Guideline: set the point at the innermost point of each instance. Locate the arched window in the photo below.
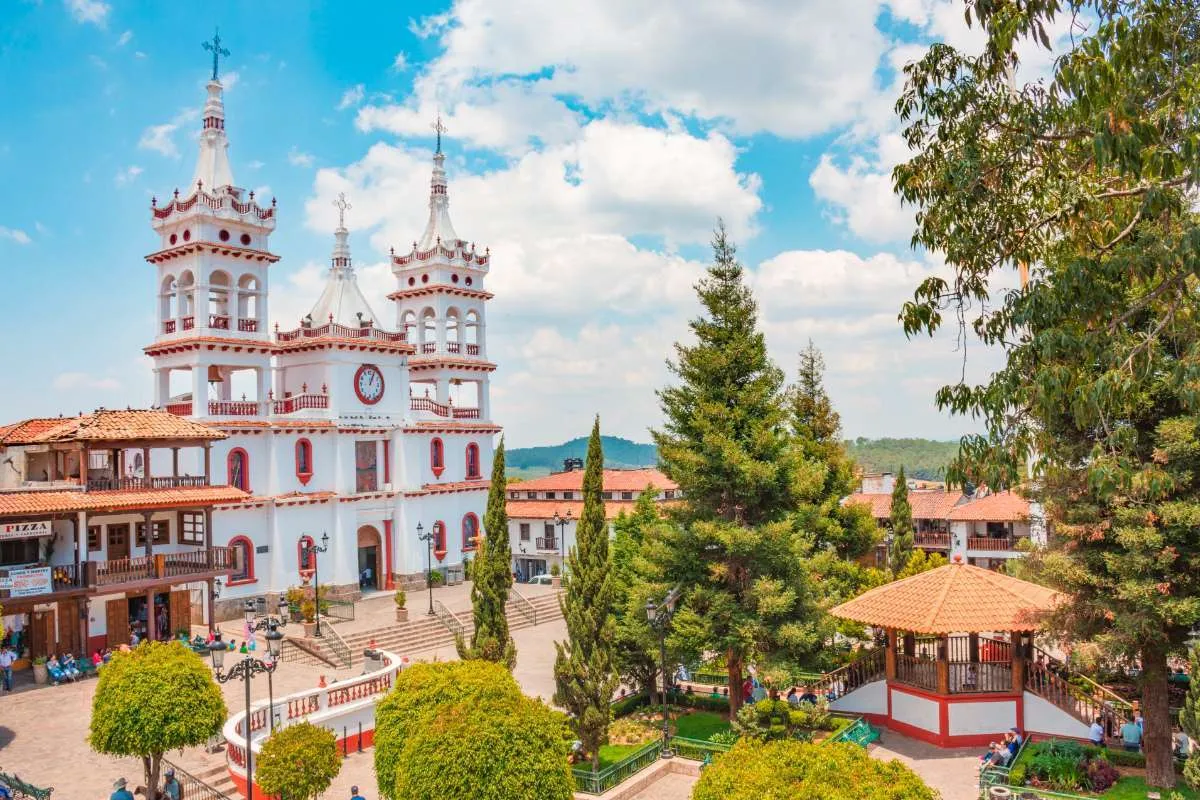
(437, 456)
(238, 468)
(304, 468)
(439, 539)
(472, 460)
(470, 531)
(305, 557)
(241, 549)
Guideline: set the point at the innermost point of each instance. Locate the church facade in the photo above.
(369, 436)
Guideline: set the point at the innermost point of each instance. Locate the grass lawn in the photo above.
(700, 725)
(1131, 788)
(612, 753)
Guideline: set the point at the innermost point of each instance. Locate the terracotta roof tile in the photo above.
(998, 507)
(27, 431)
(12, 503)
(615, 480)
(115, 426)
(956, 598)
(546, 509)
(925, 504)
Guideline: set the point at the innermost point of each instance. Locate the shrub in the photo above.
(1125, 758)
(724, 737)
(788, 769)
(437, 577)
(423, 692)
(555, 570)
(627, 705)
(400, 598)
(1016, 775)
(301, 760)
(630, 731)
(1101, 775)
(308, 610)
(500, 749)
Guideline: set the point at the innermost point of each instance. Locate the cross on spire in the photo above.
(217, 51)
(342, 204)
(440, 128)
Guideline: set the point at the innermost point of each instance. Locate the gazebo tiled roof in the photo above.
(956, 598)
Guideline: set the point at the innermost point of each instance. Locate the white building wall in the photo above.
(870, 698)
(1042, 716)
(967, 719)
(917, 711)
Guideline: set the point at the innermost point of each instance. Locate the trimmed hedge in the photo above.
(627, 705)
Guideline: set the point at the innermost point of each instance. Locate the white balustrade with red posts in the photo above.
(340, 707)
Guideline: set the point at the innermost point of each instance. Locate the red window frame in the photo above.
(467, 543)
(437, 456)
(439, 540)
(245, 482)
(302, 476)
(243, 541)
(473, 448)
(304, 565)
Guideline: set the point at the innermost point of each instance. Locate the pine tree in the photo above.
(585, 673)
(737, 552)
(492, 579)
(901, 526)
(817, 431)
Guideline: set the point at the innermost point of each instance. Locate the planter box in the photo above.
(40, 674)
(310, 630)
(401, 615)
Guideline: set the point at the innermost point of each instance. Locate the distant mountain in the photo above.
(618, 453)
(925, 459)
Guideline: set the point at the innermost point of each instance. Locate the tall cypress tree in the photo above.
(738, 553)
(585, 672)
(901, 525)
(492, 578)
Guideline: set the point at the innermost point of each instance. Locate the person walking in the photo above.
(354, 795)
(7, 657)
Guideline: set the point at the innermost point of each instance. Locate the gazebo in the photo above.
(954, 672)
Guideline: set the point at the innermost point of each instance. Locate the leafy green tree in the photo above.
(421, 693)
(299, 761)
(492, 579)
(636, 644)
(157, 697)
(585, 674)
(727, 444)
(901, 524)
(817, 429)
(1090, 176)
(921, 561)
(1189, 720)
(509, 749)
(794, 770)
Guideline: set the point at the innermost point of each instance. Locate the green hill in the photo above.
(530, 462)
(925, 459)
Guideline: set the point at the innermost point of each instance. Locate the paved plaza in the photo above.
(43, 730)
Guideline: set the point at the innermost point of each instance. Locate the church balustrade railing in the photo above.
(298, 402)
(466, 413)
(472, 349)
(429, 347)
(169, 326)
(232, 408)
(453, 347)
(183, 409)
(215, 202)
(153, 482)
(334, 329)
(248, 325)
(188, 323)
(218, 321)
(431, 405)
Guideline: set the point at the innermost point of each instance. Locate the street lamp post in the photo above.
(659, 616)
(274, 639)
(311, 550)
(245, 670)
(561, 522)
(215, 592)
(427, 538)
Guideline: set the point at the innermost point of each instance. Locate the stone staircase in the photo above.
(210, 769)
(423, 633)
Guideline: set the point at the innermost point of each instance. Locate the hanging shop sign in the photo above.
(25, 530)
(27, 582)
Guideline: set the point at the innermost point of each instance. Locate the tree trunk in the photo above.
(1156, 736)
(152, 764)
(733, 666)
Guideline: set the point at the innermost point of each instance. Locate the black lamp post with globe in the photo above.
(310, 551)
(659, 616)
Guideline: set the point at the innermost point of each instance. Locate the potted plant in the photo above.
(555, 575)
(308, 610)
(40, 675)
(295, 596)
(401, 611)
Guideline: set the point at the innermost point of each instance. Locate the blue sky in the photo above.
(592, 145)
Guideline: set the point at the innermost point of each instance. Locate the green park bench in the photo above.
(21, 790)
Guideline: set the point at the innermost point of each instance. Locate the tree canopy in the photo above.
(158, 697)
(299, 761)
(792, 770)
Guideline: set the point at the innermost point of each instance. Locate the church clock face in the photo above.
(368, 384)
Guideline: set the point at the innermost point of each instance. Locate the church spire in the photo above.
(212, 166)
(439, 228)
(342, 301)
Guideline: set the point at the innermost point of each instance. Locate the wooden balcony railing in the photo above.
(991, 542)
(546, 543)
(180, 409)
(870, 667)
(298, 402)
(248, 325)
(232, 408)
(159, 482)
(218, 321)
(971, 678)
(917, 671)
(940, 541)
(160, 565)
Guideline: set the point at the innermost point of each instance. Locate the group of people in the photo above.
(171, 790)
(1132, 732)
(1002, 753)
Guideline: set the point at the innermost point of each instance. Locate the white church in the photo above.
(347, 425)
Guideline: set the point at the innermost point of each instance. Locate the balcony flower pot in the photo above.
(40, 675)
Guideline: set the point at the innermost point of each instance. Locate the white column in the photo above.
(264, 318)
(443, 389)
(261, 390)
(162, 386)
(200, 389)
(485, 398)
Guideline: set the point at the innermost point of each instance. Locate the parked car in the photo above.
(542, 580)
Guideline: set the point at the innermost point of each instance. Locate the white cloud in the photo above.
(161, 138)
(230, 79)
(93, 11)
(862, 199)
(261, 193)
(255, 165)
(15, 234)
(351, 97)
(128, 174)
(298, 158)
(400, 62)
(139, 54)
(124, 38)
(83, 380)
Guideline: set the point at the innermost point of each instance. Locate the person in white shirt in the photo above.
(7, 657)
(1183, 744)
(1097, 732)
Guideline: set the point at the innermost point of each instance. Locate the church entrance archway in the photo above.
(370, 558)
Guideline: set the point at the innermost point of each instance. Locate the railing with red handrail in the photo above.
(931, 539)
(168, 326)
(189, 323)
(991, 542)
(232, 408)
(218, 321)
(214, 202)
(428, 347)
(154, 482)
(429, 404)
(472, 349)
(868, 668)
(466, 413)
(180, 409)
(299, 402)
(248, 325)
(334, 329)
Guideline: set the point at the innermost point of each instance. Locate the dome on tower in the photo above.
(341, 301)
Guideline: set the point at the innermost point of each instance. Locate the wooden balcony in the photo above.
(160, 482)
(932, 539)
(991, 543)
(139, 569)
(547, 543)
